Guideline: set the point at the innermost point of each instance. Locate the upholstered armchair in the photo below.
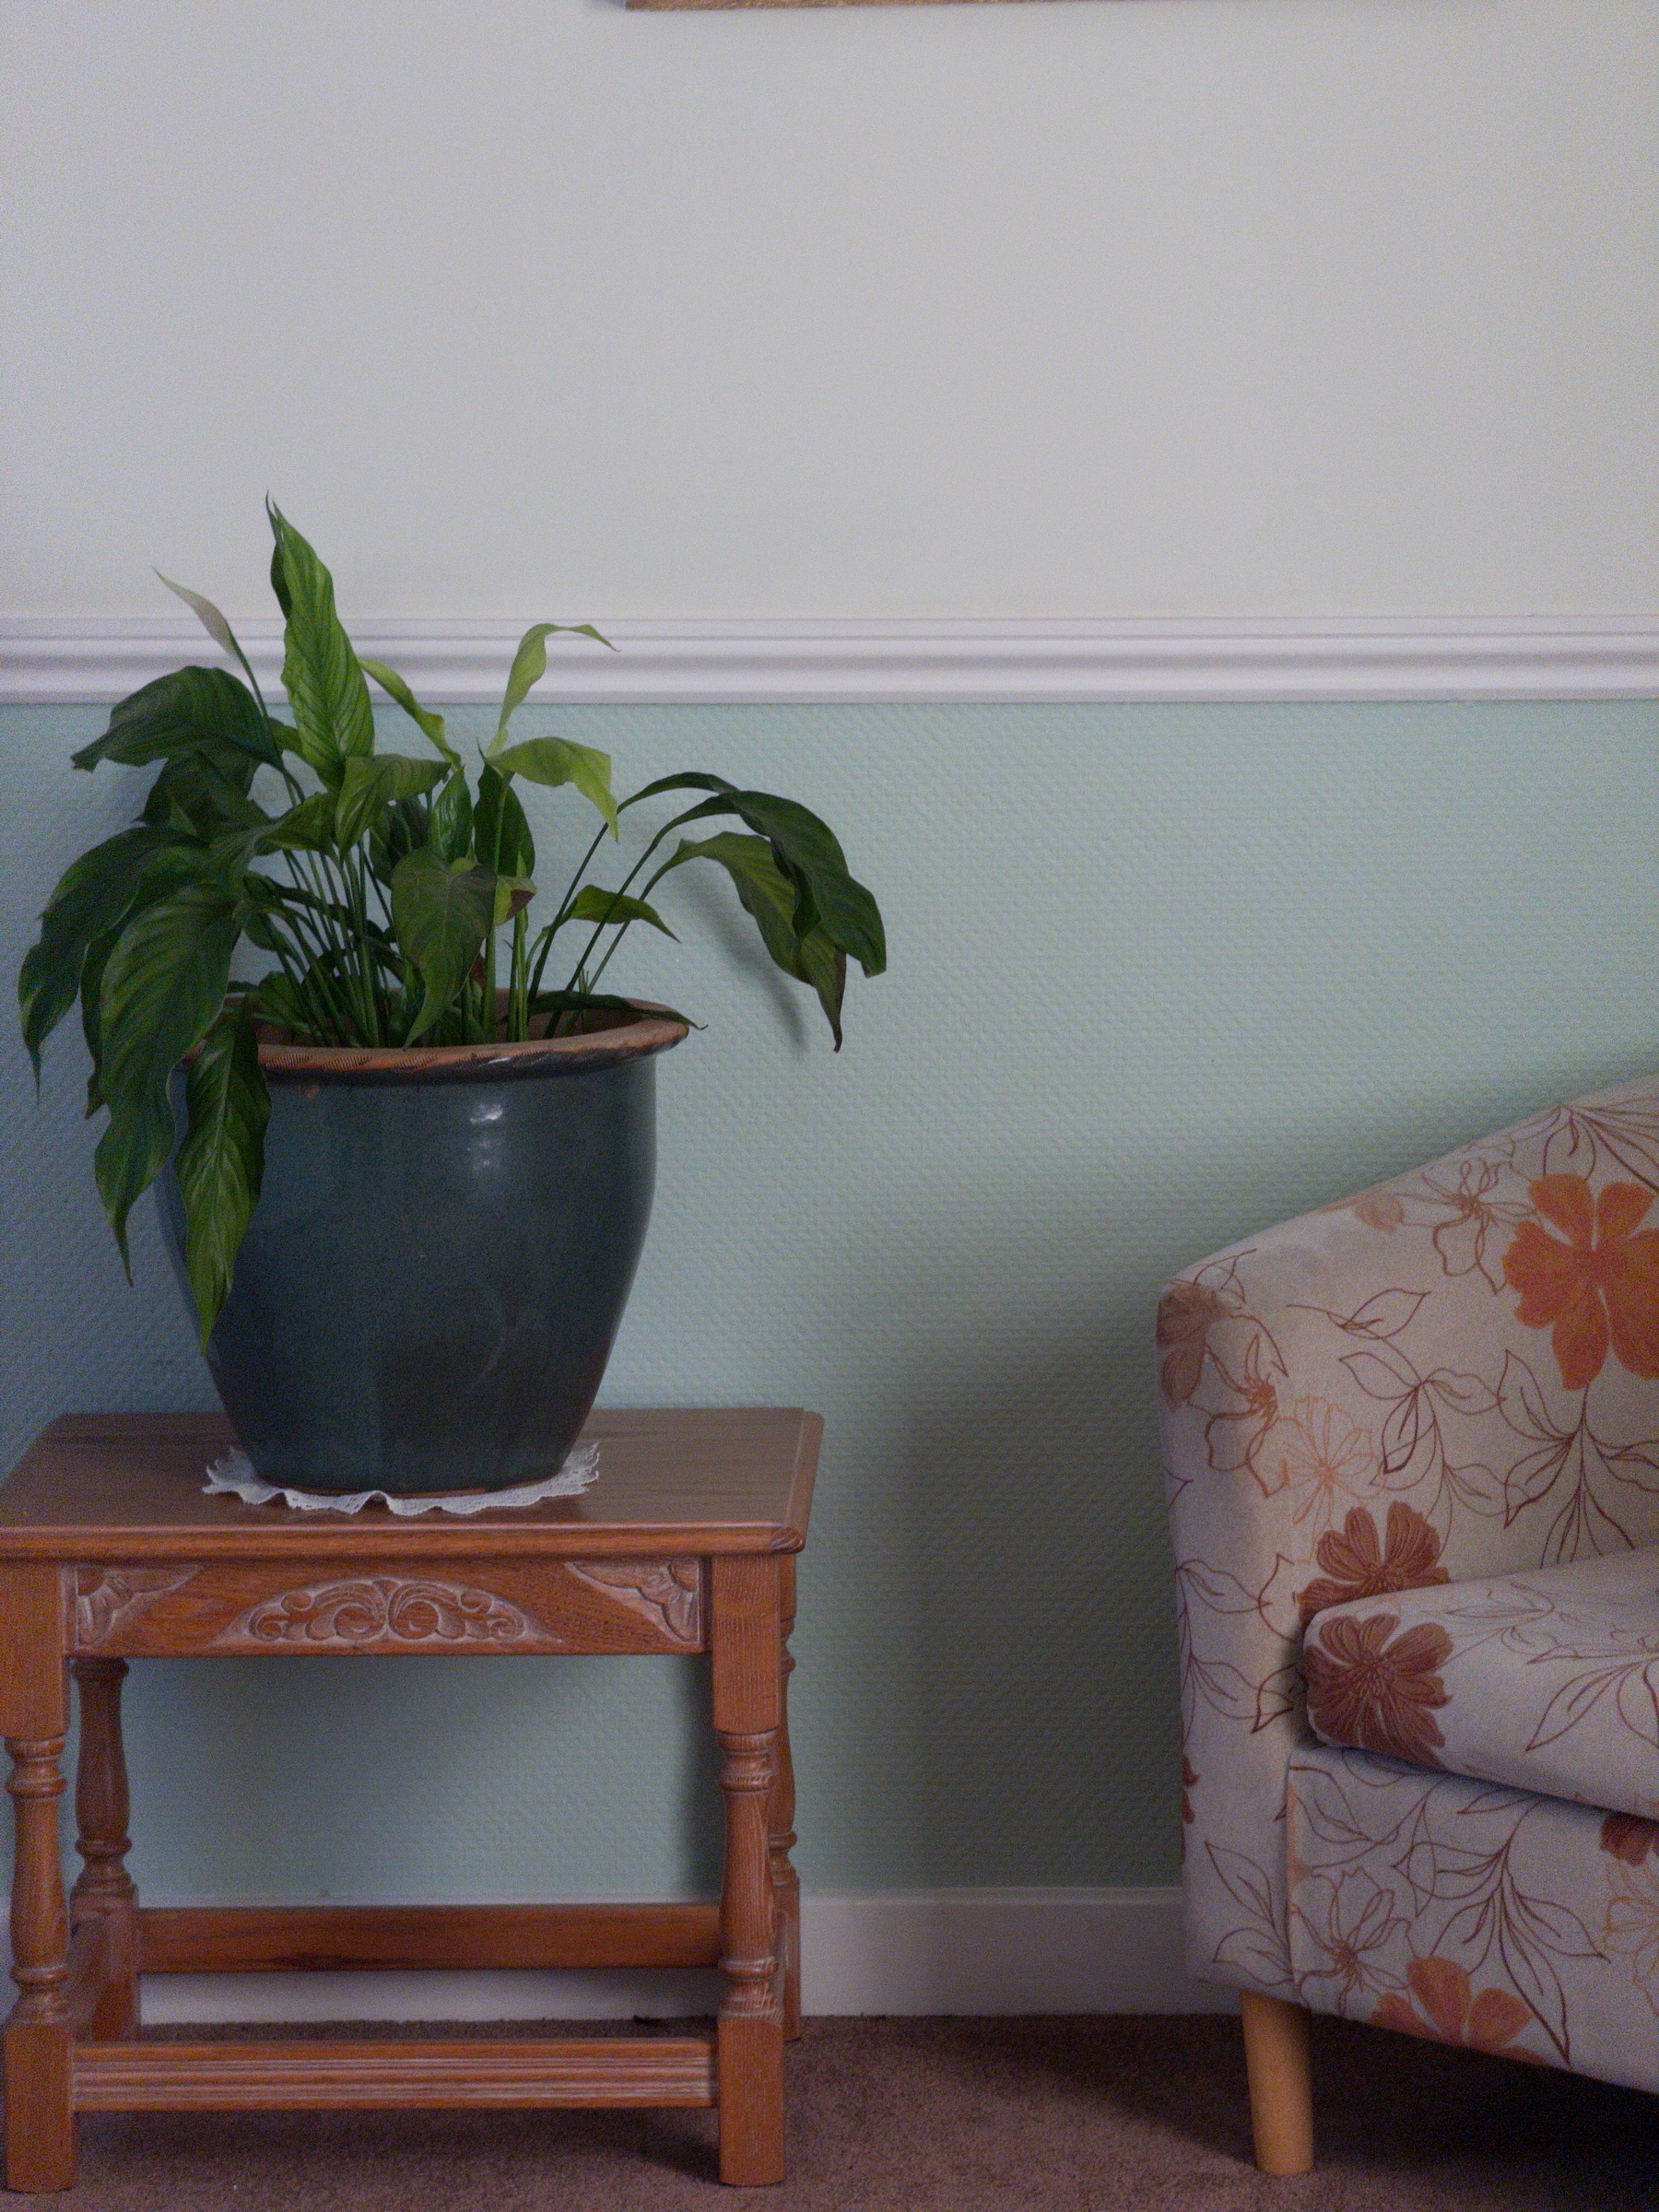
(1412, 1444)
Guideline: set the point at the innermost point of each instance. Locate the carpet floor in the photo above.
(1108, 2114)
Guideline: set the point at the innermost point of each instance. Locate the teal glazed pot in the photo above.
(435, 1271)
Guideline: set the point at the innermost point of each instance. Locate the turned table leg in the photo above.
(100, 1809)
(1281, 2090)
(747, 1679)
(786, 1883)
(35, 1718)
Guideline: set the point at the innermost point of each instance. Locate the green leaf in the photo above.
(204, 795)
(512, 894)
(191, 711)
(502, 838)
(220, 1162)
(591, 904)
(306, 827)
(166, 870)
(556, 761)
(440, 915)
(449, 820)
(92, 895)
(808, 852)
(332, 717)
(433, 725)
(530, 664)
(163, 985)
(221, 631)
(769, 896)
(595, 1002)
(367, 784)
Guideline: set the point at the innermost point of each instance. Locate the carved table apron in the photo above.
(110, 1551)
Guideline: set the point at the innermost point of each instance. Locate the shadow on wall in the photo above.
(1010, 1565)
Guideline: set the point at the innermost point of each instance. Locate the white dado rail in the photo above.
(63, 658)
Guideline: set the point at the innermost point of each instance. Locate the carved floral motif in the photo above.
(380, 1608)
(667, 1592)
(108, 1598)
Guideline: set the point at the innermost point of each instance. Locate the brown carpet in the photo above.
(1112, 2114)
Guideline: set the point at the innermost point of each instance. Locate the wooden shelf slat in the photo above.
(290, 1938)
(305, 2076)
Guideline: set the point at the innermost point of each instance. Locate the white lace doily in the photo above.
(234, 1474)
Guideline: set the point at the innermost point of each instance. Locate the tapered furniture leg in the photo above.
(1281, 2089)
(40, 2119)
(747, 1687)
(786, 1883)
(105, 1887)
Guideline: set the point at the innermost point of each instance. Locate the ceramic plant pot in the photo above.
(444, 1242)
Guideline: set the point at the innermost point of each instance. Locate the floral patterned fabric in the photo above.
(1493, 1918)
(1452, 1378)
(1550, 1680)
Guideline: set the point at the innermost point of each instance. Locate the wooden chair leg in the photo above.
(1281, 2089)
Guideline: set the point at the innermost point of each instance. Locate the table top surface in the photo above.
(686, 1480)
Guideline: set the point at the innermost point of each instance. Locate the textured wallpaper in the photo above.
(1160, 976)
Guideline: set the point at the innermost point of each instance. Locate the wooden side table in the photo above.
(110, 1550)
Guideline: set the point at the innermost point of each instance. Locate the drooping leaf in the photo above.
(373, 781)
(221, 1160)
(808, 853)
(769, 896)
(191, 711)
(449, 820)
(92, 895)
(131, 1153)
(163, 985)
(502, 838)
(332, 717)
(591, 904)
(440, 915)
(431, 725)
(690, 780)
(530, 664)
(556, 761)
(166, 870)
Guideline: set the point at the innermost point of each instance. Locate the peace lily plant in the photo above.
(390, 892)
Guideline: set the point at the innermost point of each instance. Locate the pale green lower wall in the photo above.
(1160, 976)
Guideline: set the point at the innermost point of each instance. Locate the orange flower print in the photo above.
(1632, 1925)
(1487, 2019)
(1598, 1289)
(1184, 1315)
(1349, 1925)
(1627, 1837)
(1357, 1565)
(1372, 1695)
(1377, 1208)
(1319, 1451)
(1237, 1436)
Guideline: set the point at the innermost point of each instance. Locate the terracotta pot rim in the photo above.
(655, 1029)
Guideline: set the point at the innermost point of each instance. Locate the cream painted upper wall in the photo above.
(1104, 307)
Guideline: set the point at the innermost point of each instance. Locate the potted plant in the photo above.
(405, 1142)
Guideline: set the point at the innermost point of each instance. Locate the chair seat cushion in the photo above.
(1547, 1680)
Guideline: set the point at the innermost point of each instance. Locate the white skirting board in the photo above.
(69, 659)
(912, 1951)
